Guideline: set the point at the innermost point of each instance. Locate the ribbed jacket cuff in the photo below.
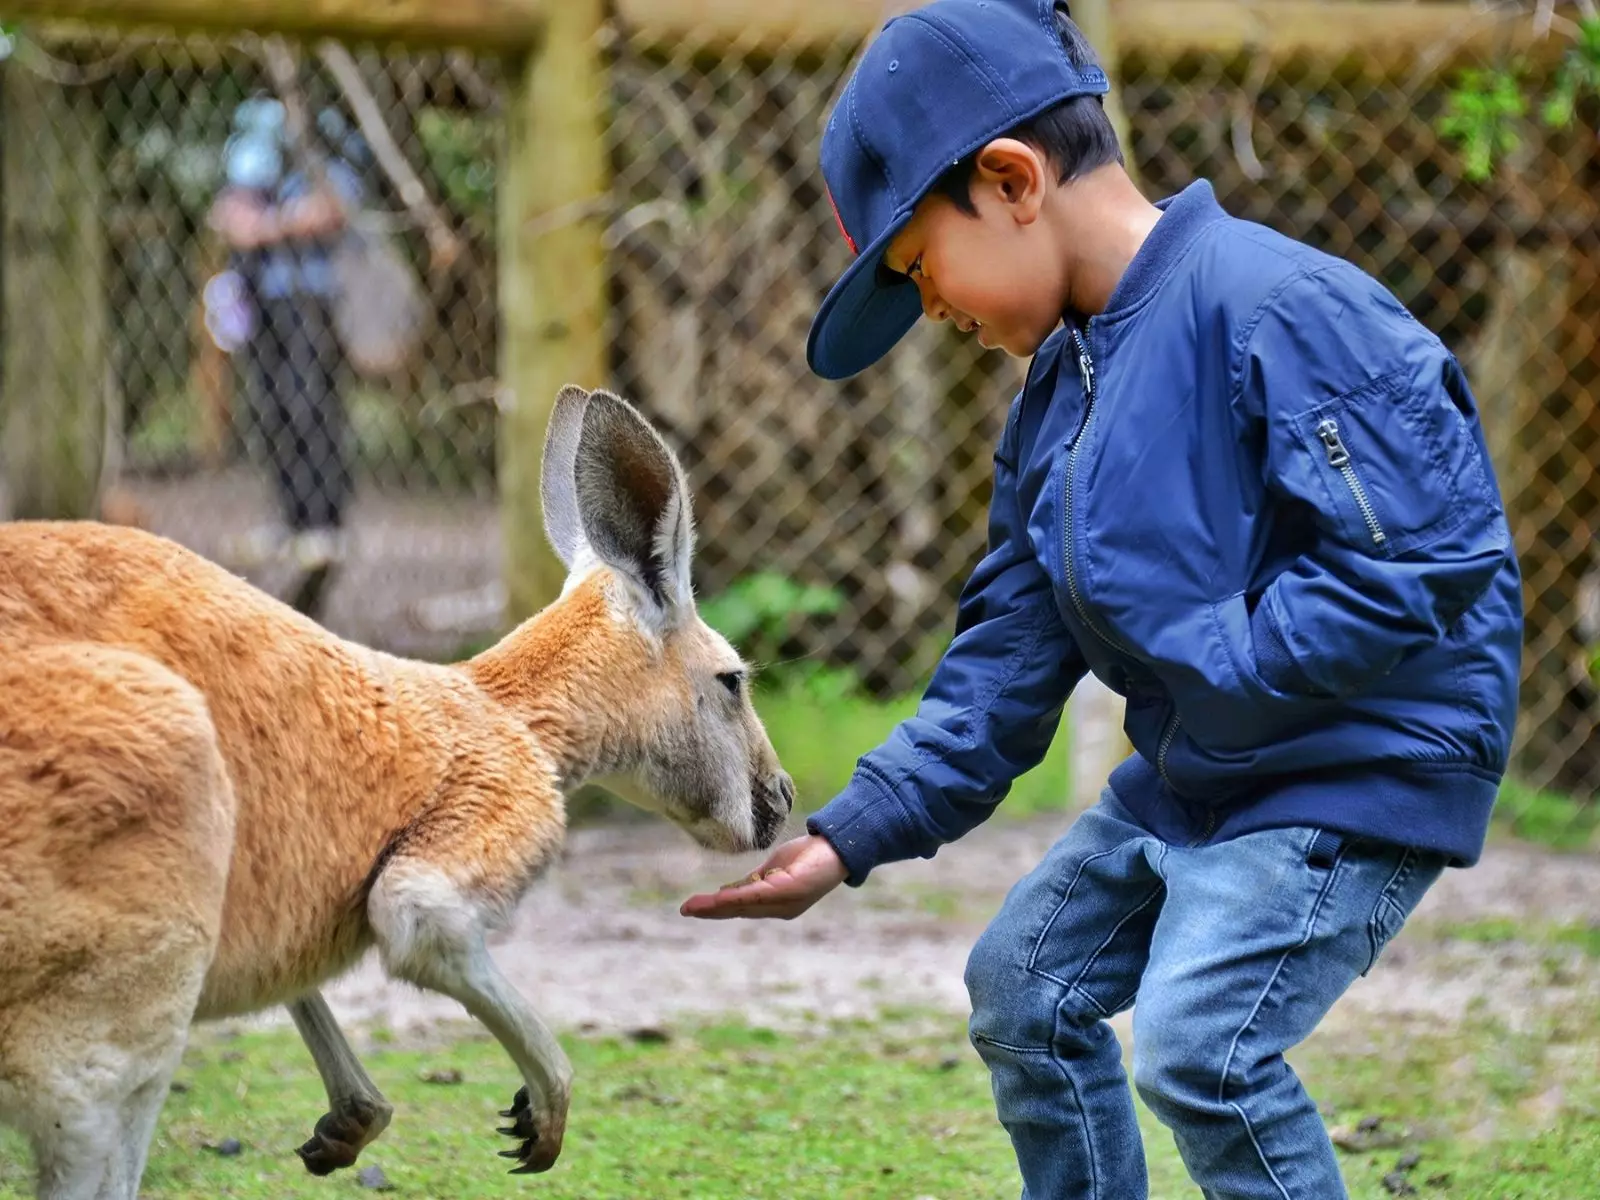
(866, 825)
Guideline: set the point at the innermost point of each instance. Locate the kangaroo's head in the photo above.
(670, 723)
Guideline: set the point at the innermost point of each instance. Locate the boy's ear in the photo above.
(1016, 173)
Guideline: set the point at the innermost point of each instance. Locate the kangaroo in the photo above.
(209, 805)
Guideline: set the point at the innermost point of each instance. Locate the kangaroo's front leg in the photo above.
(357, 1112)
(431, 933)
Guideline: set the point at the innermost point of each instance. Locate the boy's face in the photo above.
(996, 272)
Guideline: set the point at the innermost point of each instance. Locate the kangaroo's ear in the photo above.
(634, 505)
(558, 490)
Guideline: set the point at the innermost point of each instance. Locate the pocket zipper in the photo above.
(1339, 460)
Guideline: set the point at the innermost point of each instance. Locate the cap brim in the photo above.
(862, 318)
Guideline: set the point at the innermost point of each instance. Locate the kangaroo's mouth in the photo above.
(769, 822)
(771, 803)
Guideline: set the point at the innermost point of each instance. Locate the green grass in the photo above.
(1495, 931)
(1552, 819)
(896, 1109)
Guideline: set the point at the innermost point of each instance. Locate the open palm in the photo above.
(799, 873)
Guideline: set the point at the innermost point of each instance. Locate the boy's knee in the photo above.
(1015, 1006)
(999, 986)
(1173, 1067)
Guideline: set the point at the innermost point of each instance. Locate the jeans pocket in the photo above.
(1415, 873)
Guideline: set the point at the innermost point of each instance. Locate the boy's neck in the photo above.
(1105, 214)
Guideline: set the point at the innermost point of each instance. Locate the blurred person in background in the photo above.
(272, 310)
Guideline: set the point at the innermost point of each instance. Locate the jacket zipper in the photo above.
(1166, 744)
(1086, 372)
(1339, 460)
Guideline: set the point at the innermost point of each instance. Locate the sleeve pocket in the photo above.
(1390, 466)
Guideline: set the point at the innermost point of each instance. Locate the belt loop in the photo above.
(1325, 849)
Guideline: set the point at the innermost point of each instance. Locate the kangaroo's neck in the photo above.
(564, 674)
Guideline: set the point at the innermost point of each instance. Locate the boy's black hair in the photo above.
(1076, 135)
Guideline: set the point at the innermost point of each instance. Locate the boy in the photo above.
(1249, 492)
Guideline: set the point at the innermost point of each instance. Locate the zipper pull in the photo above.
(1085, 365)
(1338, 456)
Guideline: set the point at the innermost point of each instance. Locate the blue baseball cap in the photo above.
(934, 86)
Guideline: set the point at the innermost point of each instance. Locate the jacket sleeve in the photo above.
(988, 715)
(1368, 422)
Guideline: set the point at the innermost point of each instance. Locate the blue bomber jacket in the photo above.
(1253, 497)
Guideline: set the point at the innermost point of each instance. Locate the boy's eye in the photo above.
(914, 267)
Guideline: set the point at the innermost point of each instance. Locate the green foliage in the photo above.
(1552, 819)
(460, 152)
(1579, 74)
(761, 613)
(1487, 107)
(1484, 110)
(762, 608)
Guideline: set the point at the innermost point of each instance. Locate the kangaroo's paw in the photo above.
(341, 1135)
(536, 1153)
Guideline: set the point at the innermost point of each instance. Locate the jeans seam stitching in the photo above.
(1076, 984)
(1244, 1119)
(1033, 956)
(1077, 1096)
(989, 1041)
(1277, 974)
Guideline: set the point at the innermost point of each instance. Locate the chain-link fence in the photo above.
(860, 507)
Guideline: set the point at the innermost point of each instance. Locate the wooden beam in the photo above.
(1392, 34)
(1387, 34)
(507, 25)
(552, 216)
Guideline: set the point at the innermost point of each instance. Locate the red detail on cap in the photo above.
(848, 240)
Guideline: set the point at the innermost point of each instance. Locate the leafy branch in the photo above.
(1487, 108)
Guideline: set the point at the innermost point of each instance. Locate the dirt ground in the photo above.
(598, 943)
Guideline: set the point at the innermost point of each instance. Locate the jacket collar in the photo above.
(1183, 218)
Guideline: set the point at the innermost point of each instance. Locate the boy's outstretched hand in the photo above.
(799, 873)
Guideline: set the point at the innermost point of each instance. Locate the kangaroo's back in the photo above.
(115, 828)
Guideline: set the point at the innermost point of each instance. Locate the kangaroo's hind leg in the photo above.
(116, 829)
(357, 1112)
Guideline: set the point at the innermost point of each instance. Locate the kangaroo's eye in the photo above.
(732, 680)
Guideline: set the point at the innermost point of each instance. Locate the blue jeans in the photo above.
(1234, 951)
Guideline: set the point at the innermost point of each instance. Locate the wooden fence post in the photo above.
(552, 214)
(55, 390)
(1097, 20)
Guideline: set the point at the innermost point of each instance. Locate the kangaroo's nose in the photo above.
(786, 790)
